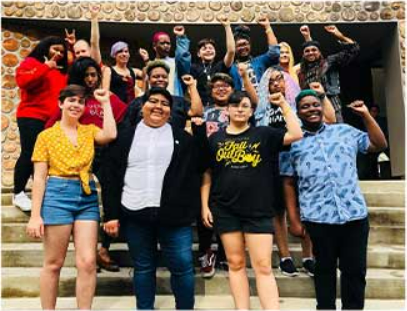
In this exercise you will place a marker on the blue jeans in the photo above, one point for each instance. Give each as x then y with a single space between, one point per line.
176 247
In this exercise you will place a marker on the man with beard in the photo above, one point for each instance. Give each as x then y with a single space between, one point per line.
179 65
331 207
158 73
256 66
315 68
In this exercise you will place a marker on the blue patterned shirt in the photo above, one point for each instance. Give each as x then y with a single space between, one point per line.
325 164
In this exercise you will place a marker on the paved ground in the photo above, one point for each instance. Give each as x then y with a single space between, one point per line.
202 302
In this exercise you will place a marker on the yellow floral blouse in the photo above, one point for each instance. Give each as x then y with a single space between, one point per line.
63 158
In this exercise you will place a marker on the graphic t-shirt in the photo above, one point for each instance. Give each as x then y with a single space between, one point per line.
203 74
216 118
242 170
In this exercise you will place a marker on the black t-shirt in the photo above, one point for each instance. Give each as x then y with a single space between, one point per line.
242 170
203 74
276 118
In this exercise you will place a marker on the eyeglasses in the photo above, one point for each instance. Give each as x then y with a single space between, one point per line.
220 86
155 101
278 78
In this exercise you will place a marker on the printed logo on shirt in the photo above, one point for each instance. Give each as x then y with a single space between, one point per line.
95 110
276 116
242 153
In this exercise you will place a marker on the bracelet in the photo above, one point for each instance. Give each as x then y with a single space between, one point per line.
268 30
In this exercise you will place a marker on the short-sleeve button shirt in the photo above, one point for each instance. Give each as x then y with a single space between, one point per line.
63 158
325 164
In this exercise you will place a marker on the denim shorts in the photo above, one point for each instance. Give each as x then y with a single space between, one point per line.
65 202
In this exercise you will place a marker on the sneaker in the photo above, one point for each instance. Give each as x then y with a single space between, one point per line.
309 267
22 201
207 262
288 268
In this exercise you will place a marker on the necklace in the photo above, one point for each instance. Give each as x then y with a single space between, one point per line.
207 70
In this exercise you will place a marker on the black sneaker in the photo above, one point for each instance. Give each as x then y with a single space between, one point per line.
288 268
309 267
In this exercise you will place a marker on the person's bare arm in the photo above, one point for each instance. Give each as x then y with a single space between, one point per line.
94 10
329 111
306 33
294 131
35 226
106 78
296 228
265 23
230 42
332 29
206 213
377 139
109 130
196 102
247 84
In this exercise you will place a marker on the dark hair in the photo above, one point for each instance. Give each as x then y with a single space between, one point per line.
206 41
242 32
78 69
157 90
237 96
155 64
42 50
375 106
222 77
305 93
71 90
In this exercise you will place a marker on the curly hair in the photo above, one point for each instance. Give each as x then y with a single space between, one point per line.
42 50
78 69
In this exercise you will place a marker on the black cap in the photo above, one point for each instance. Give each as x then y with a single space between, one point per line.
158 90
241 32
311 43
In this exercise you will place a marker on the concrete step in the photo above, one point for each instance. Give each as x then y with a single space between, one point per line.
377 193
382 186
207 302
365 185
396 199
384 216
17 282
15 233
30 255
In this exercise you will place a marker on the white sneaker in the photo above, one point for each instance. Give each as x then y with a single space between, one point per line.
22 201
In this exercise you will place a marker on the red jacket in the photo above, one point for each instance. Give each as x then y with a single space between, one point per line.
40 87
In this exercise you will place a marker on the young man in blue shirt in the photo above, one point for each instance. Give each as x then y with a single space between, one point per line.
331 209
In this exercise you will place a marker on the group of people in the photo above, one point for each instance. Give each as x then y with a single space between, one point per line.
234 146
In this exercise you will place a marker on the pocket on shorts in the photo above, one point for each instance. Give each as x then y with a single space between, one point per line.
55 187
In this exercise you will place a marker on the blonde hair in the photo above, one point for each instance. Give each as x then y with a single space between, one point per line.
291 70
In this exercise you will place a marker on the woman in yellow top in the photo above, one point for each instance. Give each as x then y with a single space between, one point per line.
64 199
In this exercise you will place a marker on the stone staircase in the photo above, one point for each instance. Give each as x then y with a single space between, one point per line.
22 259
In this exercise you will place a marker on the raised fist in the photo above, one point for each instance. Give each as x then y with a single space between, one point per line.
179 30
277 99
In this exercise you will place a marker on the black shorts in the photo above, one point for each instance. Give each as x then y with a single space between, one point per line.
226 221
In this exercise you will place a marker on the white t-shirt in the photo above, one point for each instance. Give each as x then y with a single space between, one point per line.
149 157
